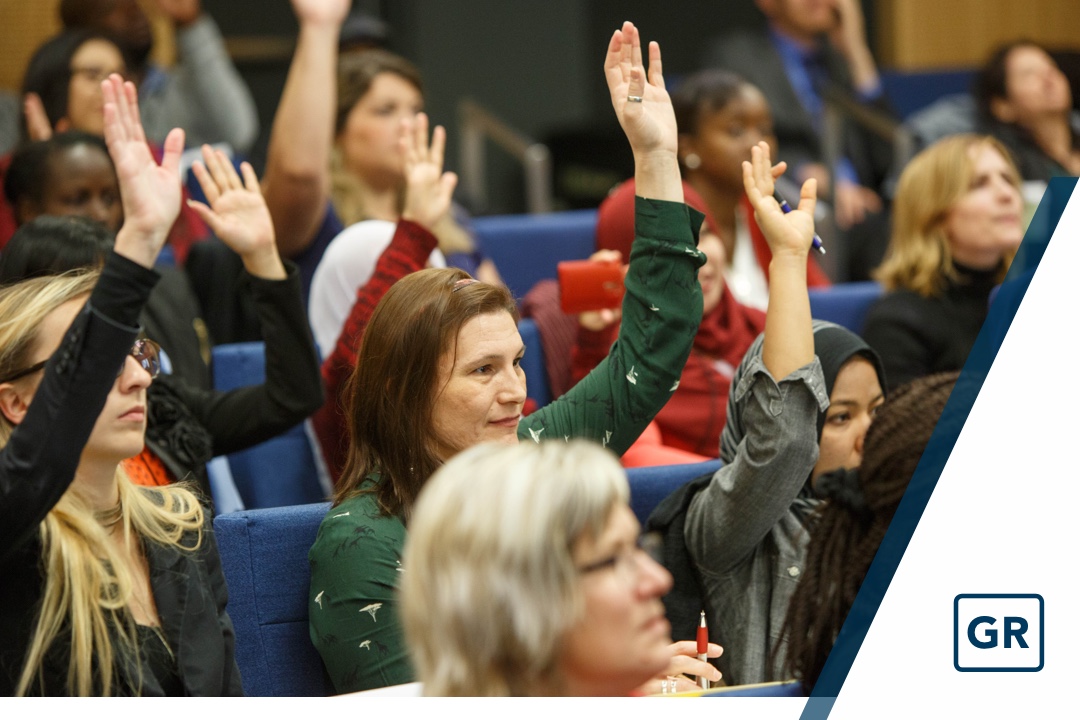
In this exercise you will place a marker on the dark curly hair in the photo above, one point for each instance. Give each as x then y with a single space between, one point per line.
849 526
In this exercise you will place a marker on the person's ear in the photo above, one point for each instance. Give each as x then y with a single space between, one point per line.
12 404
1003 110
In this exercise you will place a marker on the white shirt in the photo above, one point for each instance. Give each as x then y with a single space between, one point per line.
346 266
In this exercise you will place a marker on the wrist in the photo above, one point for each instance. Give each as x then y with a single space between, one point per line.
264 263
418 219
138 246
786 259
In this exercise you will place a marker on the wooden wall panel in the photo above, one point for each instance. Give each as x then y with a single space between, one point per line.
25 24
929 34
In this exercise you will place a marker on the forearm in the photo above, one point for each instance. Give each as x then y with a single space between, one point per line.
297 178
223 102
264 263
864 72
746 498
789 335
661 314
589 350
293 387
657 177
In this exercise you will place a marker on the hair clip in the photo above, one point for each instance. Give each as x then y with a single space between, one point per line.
463 282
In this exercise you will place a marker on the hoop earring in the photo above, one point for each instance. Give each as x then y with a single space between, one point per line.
692 161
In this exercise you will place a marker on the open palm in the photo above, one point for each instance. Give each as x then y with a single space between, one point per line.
237 212
428 190
150 193
650 124
786 233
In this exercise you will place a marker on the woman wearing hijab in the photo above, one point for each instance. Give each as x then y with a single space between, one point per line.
746 528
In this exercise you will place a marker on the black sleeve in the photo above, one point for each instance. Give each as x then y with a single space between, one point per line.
38 463
293 390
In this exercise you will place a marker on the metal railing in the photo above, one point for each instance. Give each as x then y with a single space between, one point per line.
477 126
840 105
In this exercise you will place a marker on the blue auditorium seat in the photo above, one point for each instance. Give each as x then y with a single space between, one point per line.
528 248
650 485
280 471
845 304
264 558
533 363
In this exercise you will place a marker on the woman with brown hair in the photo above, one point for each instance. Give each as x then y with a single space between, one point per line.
439 371
957 222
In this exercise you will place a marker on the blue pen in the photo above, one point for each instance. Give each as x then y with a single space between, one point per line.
787 208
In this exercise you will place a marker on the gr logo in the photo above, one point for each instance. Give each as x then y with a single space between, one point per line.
998 633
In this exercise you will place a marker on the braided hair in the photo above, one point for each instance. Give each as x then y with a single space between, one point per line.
848 528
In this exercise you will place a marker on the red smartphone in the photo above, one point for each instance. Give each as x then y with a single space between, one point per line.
586 285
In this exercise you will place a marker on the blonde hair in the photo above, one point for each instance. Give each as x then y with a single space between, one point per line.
490 586
918 257
88 583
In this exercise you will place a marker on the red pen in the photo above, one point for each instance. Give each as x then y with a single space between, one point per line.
703 649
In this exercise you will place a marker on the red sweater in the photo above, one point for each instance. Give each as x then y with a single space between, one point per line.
407 253
695 415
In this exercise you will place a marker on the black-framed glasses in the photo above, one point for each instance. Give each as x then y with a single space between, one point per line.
145 351
625 562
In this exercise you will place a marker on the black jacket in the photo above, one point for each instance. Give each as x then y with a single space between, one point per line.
37 466
188 425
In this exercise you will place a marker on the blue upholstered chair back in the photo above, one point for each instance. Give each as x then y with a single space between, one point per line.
650 485
533 363
264 557
528 248
845 304
282 470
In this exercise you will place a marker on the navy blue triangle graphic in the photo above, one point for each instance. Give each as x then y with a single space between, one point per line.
1002 310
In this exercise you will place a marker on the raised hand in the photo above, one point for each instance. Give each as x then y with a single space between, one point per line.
38 126
321 11
649 124
149 193
428 189
237 212
787 234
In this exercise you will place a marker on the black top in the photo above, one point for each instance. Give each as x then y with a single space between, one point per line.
160 660
37 466
188 425
917 336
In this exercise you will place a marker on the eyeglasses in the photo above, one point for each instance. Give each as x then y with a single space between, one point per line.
97 74
145 351
626 562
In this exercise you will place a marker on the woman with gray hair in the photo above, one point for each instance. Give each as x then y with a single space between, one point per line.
525 577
